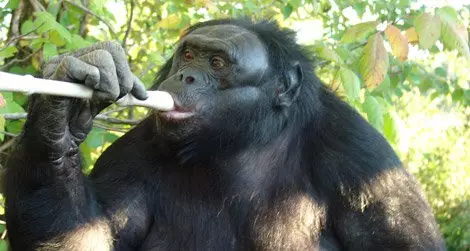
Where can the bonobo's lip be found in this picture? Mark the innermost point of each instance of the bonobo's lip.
(178, 113)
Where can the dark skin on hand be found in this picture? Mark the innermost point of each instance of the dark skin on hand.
(257, 155)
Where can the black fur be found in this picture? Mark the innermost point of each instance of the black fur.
(309, 175)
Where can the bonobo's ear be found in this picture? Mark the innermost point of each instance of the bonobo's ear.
(289, 88)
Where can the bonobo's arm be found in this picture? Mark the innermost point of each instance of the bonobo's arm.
(50, 204)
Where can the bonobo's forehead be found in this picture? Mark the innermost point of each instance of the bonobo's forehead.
(242, 45)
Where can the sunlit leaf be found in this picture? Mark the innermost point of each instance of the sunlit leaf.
(27, 26)
(171, 22)
(12, 4)
(286, 10)
(49, 50)
(390, 128)
(398, 42)
(2, 127)
(447, 14)
(412, 36)
(455, 36)
(428, 28)
(359, 32)
(373, 64)
(374, 112)
(351, 83)
(8, 52)
(323, 51)
(56, 38)
(45, 21)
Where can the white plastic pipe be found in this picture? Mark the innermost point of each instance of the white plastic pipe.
(28, 84)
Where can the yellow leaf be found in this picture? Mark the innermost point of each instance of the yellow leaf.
(171, 22)
(411, 35)
(373, 64)
(398, 42)
(428, 28)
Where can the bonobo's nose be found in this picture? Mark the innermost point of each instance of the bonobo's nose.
(187, 79)
(190, 76)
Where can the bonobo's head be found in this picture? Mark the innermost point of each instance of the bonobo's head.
(235, 81)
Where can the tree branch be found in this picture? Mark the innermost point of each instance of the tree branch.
(86, 10)
(99, 117)
(129, 24)
(16, 60)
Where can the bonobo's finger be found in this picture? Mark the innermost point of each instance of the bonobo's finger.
(138, 90)
(118, 54)
(73, 70)
(108, 86)
(123, 71)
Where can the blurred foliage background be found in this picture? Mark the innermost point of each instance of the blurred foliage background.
(404, 65)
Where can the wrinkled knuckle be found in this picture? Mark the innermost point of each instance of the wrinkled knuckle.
(114, 46)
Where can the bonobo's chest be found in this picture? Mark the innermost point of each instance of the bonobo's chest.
(293, 222)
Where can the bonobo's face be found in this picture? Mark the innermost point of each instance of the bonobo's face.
(217, 80)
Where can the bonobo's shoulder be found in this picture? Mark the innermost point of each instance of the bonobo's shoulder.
(133, 147)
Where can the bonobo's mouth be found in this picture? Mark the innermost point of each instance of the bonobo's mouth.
(178, 113)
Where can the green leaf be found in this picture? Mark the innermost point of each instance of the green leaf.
(11, 107)
(110, 137)
(49, 50)
(359, 32)
(287, 10)
(351, 83)
(12, 4)
(455, 36)
(447, 14)
(27, 27)
(390, 128)
(440, 71)
(45, 21)
(56, 38)
(457, 95)
(2, 128)
(427, 27)
(15, 126)
(3, 245)
(360, 8)
(323, 51)
(374, 112)
(95, 138)
(8, 52)
(373, 64)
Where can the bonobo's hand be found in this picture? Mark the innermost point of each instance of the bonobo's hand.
(60, 124)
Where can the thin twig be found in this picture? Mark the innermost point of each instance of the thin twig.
(99, 117)
(8, 134)
(16, 60)
(129, 24)
(24, 36)
(84, 21)
(86, 10)
(15, 20)
(7, 144)
(37, 6)
(107, 128)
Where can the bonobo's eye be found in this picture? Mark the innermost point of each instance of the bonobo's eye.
(188, 55)
(217, 63)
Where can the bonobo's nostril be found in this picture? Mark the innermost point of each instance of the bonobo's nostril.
(189, 80)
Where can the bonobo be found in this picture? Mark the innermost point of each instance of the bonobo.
(256, 155)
